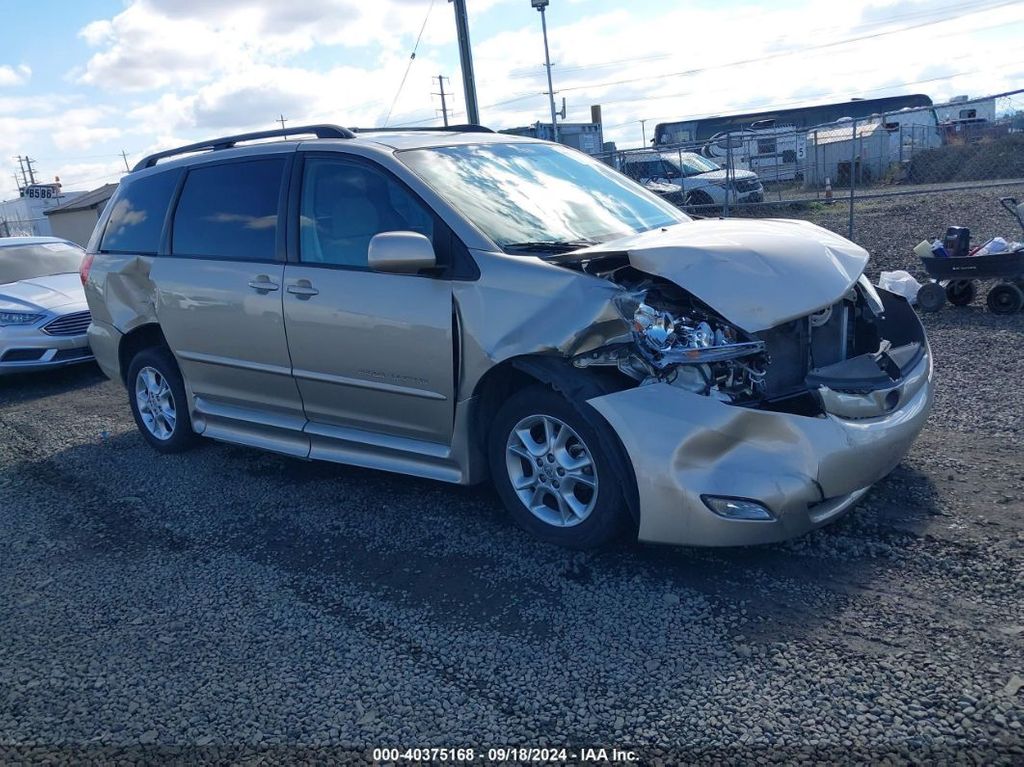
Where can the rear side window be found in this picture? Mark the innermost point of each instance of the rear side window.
(137, 216)
(229, 211)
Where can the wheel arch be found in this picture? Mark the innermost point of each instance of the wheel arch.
(144, 336)
(577, 386)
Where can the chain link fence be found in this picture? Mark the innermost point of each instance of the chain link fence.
(780, 170)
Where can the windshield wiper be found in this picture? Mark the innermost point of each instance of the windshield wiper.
(550, 246)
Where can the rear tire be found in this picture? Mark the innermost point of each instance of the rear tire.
(1005, 298)
(558, 469)
(156, 393)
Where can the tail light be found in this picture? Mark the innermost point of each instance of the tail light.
(83, 270)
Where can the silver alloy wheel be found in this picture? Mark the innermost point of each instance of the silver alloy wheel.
(551, 470)
(155, 401)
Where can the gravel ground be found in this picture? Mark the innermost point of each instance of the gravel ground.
(239, 604)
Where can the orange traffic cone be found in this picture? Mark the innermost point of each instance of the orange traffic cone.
(828, 191)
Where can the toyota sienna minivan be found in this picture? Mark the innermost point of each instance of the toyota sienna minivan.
(463, 305)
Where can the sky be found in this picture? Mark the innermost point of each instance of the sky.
(82, 81)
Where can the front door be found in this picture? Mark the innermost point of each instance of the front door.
(370, 351)
(219, 303)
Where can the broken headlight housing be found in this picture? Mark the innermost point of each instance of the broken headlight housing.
(690, 347)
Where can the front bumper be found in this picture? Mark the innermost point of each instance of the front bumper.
(28, 350)
(806, 470)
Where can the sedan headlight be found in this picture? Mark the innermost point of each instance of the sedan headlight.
(18, 318)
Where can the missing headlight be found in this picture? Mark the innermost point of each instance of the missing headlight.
(685, 346)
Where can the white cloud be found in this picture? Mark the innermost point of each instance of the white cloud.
(11, 75)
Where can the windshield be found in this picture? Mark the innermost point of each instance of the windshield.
(539, 193)
(26, 262)
(694, 164)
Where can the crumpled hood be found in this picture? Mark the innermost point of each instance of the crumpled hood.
(50, 292)
(756, 273)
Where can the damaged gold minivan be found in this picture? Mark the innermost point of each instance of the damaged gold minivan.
(460, 305)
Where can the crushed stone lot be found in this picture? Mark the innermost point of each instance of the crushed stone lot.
(240, 602)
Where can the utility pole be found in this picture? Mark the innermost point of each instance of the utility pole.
(24, 178)
(124, 155)
(541, 5)
(444, 104)
(643, 130)
(282, 119)
(466, 61)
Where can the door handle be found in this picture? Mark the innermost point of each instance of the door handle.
(303, 289)
(262, 284)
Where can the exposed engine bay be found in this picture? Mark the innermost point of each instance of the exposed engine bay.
(860, 345)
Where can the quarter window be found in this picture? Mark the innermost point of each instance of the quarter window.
(229, 211)
(344, 204)
(138, 212)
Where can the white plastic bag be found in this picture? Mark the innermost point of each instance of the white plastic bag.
(901, 283)
(993, 246)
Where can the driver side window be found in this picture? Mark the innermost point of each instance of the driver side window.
(344, 204)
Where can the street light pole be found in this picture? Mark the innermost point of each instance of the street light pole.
(540, 5)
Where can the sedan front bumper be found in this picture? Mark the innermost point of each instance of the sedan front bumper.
(28, 350)
(806, 470)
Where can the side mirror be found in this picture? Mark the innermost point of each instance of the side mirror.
(401, 252)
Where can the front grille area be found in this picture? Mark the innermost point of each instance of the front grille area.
(797, 346)
(747, 184)
(74, 324)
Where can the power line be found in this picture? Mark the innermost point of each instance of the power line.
(768, 56)
(742, 62)
(959, 10)
(408, 66)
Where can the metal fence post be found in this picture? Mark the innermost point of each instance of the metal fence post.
(682, 178)
(728, 172)
(817, 176)
(853, 173)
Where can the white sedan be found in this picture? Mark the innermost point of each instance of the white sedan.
(44, 318)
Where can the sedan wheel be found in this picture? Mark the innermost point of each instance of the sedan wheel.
(155, 401)
(552, 470)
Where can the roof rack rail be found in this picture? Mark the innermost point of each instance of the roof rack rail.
(462, 128)
(320, 131)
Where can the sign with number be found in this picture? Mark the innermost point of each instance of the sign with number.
(42, 191)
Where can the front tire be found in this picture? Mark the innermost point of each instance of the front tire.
(558, 471)
(156, 392)
(931, 297)
(701, 202)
